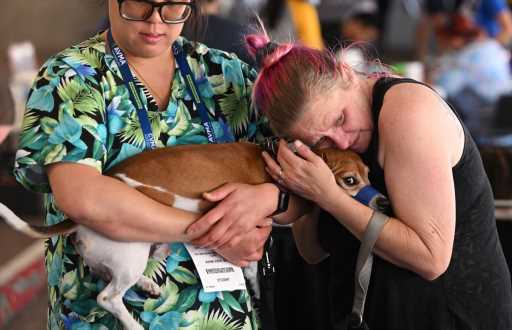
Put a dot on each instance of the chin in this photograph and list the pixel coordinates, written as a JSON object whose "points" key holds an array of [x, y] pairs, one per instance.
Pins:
{"points": [[150, 52]]}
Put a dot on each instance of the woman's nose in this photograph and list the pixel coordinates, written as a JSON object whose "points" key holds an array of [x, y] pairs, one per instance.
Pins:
{"points": [[155, 16], [340, 140]]}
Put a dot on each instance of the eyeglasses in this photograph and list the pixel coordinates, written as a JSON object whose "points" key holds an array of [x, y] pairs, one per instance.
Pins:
{"points": [[171, 12]]}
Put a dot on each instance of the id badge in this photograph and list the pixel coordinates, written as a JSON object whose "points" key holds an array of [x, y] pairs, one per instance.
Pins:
{"points": [[216, 273]]}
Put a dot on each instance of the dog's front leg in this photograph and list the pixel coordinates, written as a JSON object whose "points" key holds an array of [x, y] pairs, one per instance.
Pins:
{"points": [[160, 251], [149, 286]]}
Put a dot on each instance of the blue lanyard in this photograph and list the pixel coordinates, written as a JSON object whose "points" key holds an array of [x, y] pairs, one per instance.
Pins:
{"points": [[126, 73], [190, 82]]}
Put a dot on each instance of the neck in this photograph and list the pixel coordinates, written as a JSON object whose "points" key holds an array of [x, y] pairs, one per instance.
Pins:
{"points": [[166, 58]]}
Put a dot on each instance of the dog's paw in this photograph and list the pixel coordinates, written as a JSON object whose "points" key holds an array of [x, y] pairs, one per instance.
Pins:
{"points": [[134, 326], [150, 287], [154, 290], [160, 251]]}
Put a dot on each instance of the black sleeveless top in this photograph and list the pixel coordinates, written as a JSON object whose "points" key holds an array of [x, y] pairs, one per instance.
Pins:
{"points": [[474, 293]]}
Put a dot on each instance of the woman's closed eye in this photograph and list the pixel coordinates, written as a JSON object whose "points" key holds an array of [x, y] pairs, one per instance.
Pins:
{"points": [[340, 121]]}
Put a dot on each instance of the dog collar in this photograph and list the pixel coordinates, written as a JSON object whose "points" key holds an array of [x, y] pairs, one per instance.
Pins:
{"points": [[366, 195]]}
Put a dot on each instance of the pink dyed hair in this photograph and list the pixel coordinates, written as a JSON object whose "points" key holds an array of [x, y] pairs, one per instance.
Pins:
{"points": [[290, 75]]}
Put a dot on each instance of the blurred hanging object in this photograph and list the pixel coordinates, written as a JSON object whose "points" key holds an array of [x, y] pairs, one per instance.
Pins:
{"points": [[306, 22], [23, 68]]}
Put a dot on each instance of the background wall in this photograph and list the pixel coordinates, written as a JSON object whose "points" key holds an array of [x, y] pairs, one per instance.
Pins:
{"points": [[50, 25]]}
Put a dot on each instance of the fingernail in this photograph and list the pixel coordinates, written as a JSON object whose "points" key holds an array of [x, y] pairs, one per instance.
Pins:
{"points": [[298, 143]]}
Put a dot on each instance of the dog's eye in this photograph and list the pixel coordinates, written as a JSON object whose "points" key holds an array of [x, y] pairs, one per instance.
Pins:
{"points": [[350, 181]]}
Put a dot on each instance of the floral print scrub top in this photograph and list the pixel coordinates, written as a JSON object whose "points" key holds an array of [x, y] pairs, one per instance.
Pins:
{"points": [[79, 110]]}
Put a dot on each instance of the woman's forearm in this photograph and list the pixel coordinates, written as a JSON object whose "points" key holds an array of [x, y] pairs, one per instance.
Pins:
{"points": [[422, 253], [128, 215], [114, 209]]}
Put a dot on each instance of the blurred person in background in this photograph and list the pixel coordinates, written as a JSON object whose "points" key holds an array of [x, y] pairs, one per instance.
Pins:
{"points": [[361, 26], [473, 71], [221, 31], [360, 34], [434, 13], [334, 14], [495, 18]]}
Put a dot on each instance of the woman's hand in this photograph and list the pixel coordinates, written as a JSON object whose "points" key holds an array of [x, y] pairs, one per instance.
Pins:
{"points": [[241, 208], [245, 248], [304, 173]]}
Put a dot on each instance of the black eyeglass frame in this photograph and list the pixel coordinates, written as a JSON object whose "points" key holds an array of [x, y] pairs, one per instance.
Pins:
{"points": [[158, 6]]}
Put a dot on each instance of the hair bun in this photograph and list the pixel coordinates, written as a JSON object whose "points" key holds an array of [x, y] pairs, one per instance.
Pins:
{"points": [[265, 51]]}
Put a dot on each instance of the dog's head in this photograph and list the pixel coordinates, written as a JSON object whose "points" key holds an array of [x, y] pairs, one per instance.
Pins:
{"points": [[349, 170]]}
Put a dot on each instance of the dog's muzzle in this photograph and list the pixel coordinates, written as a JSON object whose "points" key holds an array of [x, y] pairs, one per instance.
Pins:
{"points": [[373, 198]]}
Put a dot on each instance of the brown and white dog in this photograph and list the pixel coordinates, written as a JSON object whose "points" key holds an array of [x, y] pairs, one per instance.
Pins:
{"points": [[177, 177]]}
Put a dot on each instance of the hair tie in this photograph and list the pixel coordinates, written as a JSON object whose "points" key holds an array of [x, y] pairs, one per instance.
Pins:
{"points": [[265, 51]]}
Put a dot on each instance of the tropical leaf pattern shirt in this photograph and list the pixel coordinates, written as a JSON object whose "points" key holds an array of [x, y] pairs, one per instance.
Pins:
{"points": [[79, 111]]}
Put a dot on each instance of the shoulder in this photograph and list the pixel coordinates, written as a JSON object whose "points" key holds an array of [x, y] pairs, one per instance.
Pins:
{"points": [[414, 112], [405, 101], [84, 59], [87, 51]]}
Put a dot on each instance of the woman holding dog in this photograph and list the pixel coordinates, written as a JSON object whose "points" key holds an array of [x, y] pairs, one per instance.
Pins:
{"points": [[86, 112], [439, 263]]}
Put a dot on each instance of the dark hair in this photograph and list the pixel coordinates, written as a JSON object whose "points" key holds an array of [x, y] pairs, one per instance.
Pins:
{"points": [[196, 23]]}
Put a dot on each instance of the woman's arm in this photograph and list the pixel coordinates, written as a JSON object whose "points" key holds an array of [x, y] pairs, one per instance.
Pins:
{"points": [[305, 233], [421, 140], [112, 208], [504, 19]]}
